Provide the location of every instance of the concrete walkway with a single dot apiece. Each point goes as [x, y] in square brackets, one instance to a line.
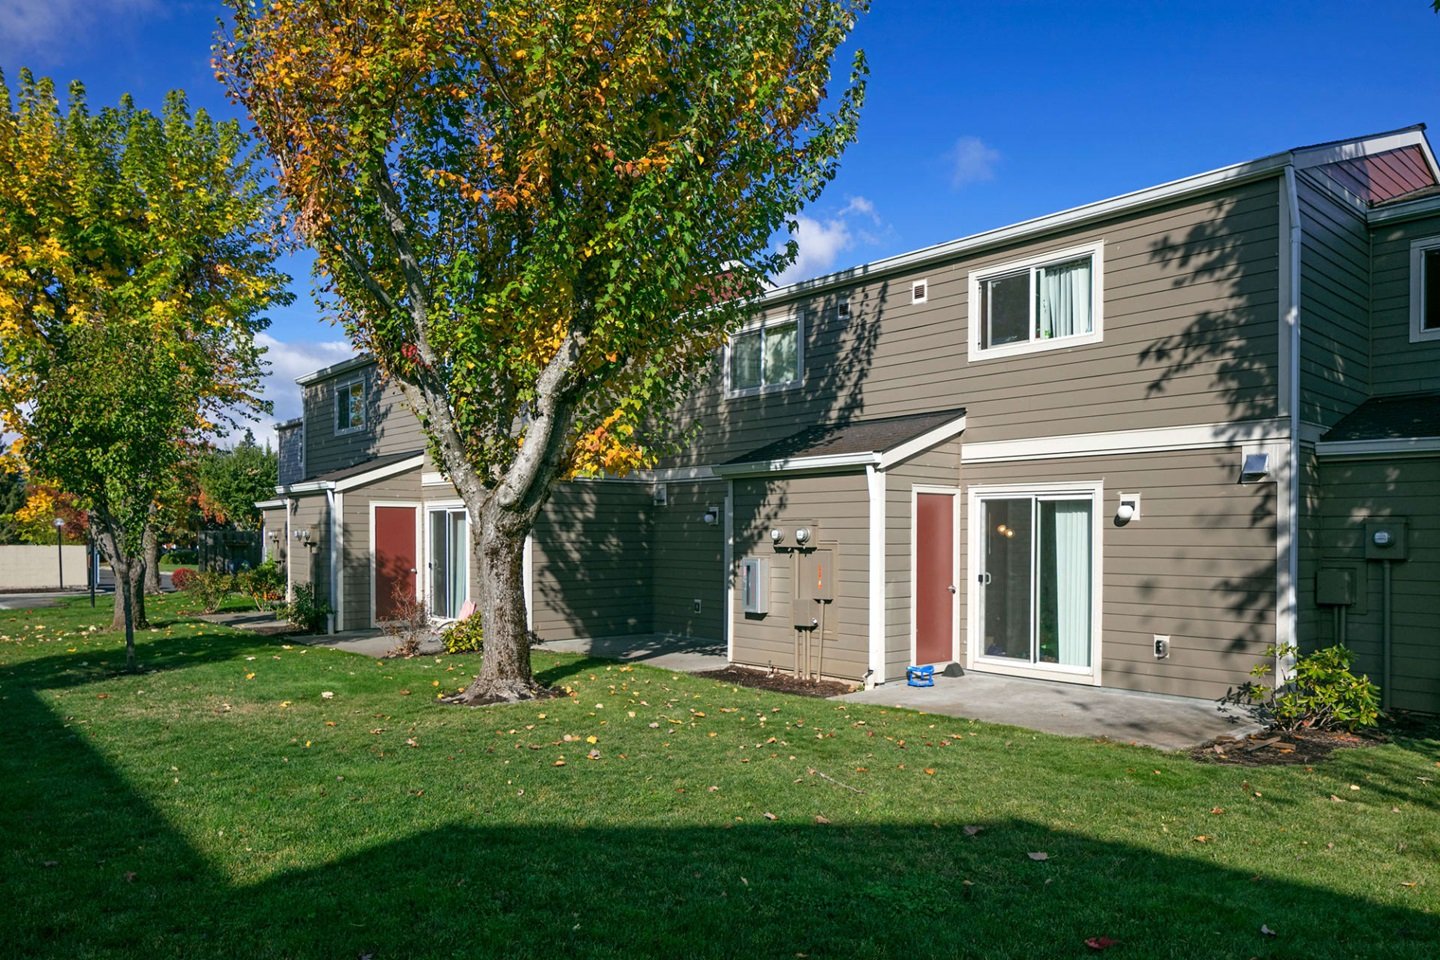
[668, 652]
[1147, 719]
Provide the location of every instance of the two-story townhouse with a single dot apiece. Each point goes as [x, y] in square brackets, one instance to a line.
[1135, 443]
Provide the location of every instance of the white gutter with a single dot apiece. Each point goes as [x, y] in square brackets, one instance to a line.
[837, 461]
[343, 366]
[1393, 447]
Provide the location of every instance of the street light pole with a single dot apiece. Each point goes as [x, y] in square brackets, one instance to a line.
[60, 549]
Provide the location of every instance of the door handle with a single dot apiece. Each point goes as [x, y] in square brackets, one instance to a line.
[984, 578]
[952, 588]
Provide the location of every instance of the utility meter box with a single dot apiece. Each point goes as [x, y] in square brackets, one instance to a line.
[1386, 539]
[1334, 587]
[755, 586]
[794, 534]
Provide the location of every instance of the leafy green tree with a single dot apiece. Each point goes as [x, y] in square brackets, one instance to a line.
[543, 218]
[135, 264]
[232, 481]
[12, 497]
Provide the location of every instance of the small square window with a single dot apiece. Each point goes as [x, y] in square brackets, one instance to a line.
[842, 310]
[919, 291]
[350, 406]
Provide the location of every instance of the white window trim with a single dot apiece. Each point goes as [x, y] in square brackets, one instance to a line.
[427, 568]
[1096, 251]
[1418, 249]
[341, 389]
[798, 318]
[974, 628]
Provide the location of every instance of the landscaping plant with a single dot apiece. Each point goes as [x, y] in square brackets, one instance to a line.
[264, 585]
[1323, 694]
[306, 609]
[208, 589]
[463, 636]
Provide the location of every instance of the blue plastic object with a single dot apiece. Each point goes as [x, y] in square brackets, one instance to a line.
[920, 676]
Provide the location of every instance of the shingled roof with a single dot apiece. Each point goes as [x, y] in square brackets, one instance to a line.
[852, 439]
[1410, 416]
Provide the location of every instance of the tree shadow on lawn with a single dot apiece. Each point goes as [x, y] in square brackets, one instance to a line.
[92, 868]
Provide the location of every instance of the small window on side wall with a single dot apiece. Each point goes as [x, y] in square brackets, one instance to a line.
[765, 357]
[350, 406]
[1425, 290]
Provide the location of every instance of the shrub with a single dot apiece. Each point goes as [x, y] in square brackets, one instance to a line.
[463, 636]
[208, 588]
[1324, 694]
[181, 578]
[306, 611]
[409, 628]
[265, 585]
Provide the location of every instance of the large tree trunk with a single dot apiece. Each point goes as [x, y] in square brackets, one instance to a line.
[129, 572]
[498, 543]
[152, 561]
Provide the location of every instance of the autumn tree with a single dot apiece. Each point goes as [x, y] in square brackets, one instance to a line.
[543, 218]
[135, 264]
[34, 520]
[232, 481]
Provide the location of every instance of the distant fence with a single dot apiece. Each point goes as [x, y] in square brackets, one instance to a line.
[229, 549]
[28, 567]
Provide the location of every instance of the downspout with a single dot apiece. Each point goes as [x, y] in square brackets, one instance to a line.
[875, 487]
[1287, 604]
[334, 557]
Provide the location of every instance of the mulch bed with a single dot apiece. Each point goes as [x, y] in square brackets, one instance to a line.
[1273, 748]
[778, 682]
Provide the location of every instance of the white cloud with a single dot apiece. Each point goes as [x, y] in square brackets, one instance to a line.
[38, 27]
[823, 240]
[288, 361]
[972, 161]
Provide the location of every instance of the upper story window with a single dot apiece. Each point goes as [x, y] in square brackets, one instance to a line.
[350, 406]
[1425, 290]
[1039, 303]
[768, 356]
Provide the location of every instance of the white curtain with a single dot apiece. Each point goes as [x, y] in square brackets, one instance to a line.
[1072, 581]
[1064, 299]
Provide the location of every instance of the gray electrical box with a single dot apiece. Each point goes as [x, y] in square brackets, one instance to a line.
[755, 586]
[1334, 587]
[1386, 539]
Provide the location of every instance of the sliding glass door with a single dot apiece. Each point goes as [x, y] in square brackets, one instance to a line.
[449, 562]
[1036, 579]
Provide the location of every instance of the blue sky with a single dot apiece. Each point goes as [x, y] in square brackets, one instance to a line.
[979, 114]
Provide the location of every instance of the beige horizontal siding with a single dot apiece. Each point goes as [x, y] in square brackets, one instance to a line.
[1399, 366]
[1334, 307]
[1190, 336]
[939, 467]
[1352, 491]
[390, 426]
[591, 555]
[839, 504]
[359, 570]
[688, 560]
[1199, 566]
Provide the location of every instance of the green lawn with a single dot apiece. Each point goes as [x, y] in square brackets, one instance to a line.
[222, 805]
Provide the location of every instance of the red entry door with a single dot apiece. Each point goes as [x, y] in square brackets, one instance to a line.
[935, 577]
[395, 560]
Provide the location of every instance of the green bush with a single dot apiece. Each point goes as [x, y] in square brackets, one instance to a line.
[264, 585]
[463, 636]
[1323, 694]
[208, 588]
[306, 611]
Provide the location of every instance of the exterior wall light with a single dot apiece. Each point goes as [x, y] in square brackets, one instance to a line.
[1129, 509]
[712, 515]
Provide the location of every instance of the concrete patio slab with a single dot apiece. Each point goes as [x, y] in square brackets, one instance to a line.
[1147, 719]
[666, 651]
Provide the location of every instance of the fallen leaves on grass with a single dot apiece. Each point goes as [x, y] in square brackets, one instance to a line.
[1038, 855]
[770, 816]
[971, 830]
[1100, 943]
[1266, 931]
